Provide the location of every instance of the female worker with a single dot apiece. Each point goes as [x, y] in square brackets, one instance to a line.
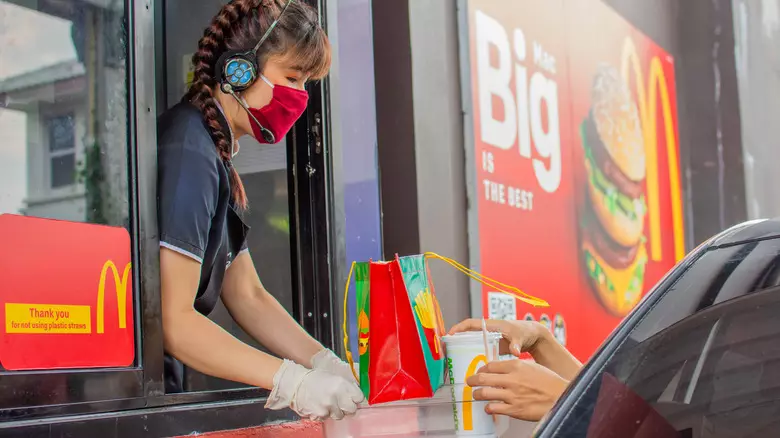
[522, 389]
[250, 70]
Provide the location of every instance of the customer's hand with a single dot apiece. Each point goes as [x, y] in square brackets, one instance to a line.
[518, 336]
[327, 361]
[528, 337]
[517, 388]
[313, 394]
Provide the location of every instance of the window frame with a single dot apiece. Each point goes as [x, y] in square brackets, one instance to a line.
[309, 218]
[313, 230]
[143, 400]
[102, 395]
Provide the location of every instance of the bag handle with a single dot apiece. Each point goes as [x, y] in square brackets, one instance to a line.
[346, 320]
[487, 281]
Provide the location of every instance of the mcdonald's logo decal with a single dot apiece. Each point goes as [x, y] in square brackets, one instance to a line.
[67, 298]
[121, 294]
[648, 95]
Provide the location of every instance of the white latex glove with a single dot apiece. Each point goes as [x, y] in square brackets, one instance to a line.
[313, 394]
[327, 361]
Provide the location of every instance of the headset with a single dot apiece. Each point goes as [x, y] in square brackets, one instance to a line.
[238, 71]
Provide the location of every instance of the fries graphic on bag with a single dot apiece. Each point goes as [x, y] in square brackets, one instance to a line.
[425, 308]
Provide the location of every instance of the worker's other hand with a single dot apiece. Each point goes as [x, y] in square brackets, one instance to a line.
[517, 336]
[313, 394]
[327, 361]
[517, 388]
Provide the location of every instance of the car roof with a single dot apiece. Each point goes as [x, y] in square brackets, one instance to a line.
[761, 229]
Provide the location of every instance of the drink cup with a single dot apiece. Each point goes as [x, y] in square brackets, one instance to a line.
[465, 356]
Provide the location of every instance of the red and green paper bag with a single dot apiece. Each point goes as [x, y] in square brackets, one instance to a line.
[400, 326]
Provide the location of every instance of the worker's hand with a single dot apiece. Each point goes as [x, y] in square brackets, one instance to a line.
[313, 394]
[327, 361]
[517, 388]
[517, 336]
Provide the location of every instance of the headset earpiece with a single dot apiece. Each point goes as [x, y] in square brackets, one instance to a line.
[238, 70]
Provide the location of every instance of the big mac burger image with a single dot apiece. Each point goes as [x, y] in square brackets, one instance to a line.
[612, 234]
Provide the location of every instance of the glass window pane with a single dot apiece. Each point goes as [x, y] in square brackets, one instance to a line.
[65, 295]
[357, 137]
[61, 133]
[63, 170]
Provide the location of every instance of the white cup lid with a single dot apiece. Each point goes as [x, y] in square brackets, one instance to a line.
[470, 338]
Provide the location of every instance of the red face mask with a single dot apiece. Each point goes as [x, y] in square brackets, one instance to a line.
[272, 122]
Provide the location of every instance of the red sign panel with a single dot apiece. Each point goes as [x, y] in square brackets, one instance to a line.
[66, 297]
[577, 164]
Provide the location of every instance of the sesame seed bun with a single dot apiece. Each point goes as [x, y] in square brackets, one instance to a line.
[616, 116]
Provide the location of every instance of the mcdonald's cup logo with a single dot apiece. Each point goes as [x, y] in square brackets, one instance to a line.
[468, 392]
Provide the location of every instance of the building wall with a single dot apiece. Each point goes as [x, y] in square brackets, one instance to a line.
[66, 208]
[420, 139]
[65, 203]
[757, 35]
[438, 129]
[112, 116]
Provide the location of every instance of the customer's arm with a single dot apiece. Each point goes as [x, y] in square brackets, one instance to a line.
[550, 353]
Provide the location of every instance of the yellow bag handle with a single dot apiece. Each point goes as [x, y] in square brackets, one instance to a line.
[346, 320]
[487, 281]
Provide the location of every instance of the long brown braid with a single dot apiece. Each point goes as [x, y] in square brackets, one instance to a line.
[238, 26]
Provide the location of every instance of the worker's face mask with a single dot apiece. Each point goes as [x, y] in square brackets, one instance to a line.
[272, 122]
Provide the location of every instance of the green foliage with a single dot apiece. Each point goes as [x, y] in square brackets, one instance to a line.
[91, 174]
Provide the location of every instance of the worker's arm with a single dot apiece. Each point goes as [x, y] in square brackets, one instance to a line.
[196, 340]
[261, 315]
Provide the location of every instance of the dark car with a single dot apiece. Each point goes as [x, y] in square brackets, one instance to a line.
[698, 358]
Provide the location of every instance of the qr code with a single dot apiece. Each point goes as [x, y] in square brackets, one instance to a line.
[501, 306]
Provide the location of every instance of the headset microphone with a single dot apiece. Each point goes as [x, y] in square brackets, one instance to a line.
[268, 136]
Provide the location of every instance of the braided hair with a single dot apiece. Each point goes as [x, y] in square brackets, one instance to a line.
[238, 26]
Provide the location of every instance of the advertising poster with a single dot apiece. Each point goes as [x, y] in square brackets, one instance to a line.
[575, 147]
[66, 295]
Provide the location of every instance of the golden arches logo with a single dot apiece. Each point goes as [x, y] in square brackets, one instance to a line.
[468, 393]
[121, 294]
[648, 96]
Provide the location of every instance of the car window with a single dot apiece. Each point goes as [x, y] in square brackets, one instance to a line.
[704, 362]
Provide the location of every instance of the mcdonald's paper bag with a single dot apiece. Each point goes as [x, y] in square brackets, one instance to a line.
[400, 326]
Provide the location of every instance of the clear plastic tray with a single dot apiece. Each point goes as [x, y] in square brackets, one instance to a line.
[416, 418]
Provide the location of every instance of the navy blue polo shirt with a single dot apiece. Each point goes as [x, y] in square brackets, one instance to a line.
[196, 217]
